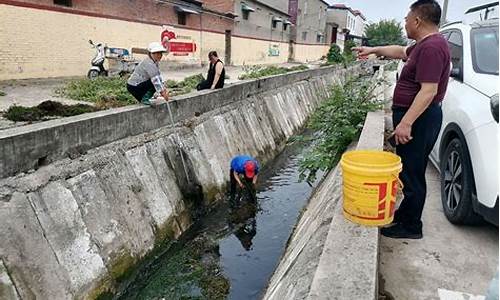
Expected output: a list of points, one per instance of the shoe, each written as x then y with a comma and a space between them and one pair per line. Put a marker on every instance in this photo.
146, 101
398, 231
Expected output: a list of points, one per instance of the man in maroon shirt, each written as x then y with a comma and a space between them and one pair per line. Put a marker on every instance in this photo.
416, 110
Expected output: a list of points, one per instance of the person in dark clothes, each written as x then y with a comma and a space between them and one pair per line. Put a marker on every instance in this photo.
216, 74
416, 110
243, 167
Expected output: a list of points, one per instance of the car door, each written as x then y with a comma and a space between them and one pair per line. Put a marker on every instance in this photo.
457, 92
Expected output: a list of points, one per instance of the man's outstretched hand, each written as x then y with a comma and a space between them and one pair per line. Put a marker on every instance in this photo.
363, 51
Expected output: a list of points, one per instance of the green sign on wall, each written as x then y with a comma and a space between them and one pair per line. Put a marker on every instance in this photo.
274, 50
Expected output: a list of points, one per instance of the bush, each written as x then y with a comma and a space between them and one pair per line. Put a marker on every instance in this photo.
336, 123
349, 55
334, 55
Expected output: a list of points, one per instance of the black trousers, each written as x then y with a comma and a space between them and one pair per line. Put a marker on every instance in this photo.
414, 156
204, 85
233, 184
138, 91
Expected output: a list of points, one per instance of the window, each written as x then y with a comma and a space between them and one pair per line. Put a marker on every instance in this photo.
318, 38
245, 14
274, 24
63, 2
456, 49
304, 35
181, 18
305, 8
285, 26
484, 42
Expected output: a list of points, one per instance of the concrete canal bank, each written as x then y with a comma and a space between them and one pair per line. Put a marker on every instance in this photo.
85, 198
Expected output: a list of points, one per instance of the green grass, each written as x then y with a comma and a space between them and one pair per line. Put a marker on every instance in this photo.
185, 86
105, 92
254, 72
46, 110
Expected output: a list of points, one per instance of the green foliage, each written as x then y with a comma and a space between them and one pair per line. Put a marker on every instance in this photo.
336, 124
188, 271
183, 87
385, 32
2, 93
334, 55
254, 72
109, 92
349, 55
101, 89
46, 110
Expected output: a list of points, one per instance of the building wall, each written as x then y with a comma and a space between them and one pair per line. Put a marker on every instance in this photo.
259, 23
256, 52
39, 44
359, 28
281, 5
223, 6
311, 18
306, 53
338, 16
40, 40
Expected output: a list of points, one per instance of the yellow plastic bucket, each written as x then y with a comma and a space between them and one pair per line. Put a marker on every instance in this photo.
371, 180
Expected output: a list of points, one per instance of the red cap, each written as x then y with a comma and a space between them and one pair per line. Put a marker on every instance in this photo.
249, 169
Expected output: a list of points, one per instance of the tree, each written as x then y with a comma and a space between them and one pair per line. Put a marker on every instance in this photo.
385, 32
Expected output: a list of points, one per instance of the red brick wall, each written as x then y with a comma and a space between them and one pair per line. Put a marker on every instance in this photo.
147, 11
223, 6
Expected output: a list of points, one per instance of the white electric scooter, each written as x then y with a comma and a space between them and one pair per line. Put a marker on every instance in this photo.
120, 61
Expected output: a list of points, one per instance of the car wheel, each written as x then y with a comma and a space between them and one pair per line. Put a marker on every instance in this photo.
457, 184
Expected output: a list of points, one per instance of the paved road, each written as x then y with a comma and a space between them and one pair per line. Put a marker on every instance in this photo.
449, 259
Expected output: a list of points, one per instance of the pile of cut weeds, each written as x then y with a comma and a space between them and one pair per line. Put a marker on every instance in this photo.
46, 110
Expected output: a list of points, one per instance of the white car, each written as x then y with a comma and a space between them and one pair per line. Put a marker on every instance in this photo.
466, 152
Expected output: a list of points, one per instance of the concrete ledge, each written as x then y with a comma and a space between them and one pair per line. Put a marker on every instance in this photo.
327, 256
28, 147
349, 262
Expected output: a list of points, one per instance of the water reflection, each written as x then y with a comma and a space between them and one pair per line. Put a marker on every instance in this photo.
243, 224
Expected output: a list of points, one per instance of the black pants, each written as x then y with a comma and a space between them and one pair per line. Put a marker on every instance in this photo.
233, 183
414, 156
138, 91
204, 85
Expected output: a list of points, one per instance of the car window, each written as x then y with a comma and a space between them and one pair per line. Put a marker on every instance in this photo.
484, 44
456, 48
446, 34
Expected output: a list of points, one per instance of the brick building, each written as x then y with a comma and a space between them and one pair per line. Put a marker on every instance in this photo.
49, 38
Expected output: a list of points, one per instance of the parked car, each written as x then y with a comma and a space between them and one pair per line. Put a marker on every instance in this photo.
466, 152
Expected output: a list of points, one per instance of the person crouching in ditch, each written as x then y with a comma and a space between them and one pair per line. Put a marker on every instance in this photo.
146, 78
244, 170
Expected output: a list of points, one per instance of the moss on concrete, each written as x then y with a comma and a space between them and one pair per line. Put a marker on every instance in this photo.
188, 271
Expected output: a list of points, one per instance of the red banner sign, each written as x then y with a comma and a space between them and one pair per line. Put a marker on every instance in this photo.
181, 47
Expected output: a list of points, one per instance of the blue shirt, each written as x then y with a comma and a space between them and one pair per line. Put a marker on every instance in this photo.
238, 164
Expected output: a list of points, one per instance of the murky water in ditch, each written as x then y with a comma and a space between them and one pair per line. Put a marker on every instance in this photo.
245, 242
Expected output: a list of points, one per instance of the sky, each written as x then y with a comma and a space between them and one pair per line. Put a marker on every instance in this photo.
375, 10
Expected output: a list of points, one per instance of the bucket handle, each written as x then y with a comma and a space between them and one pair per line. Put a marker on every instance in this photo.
400, 183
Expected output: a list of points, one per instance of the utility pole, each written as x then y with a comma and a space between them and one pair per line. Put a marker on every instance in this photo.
444, 11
